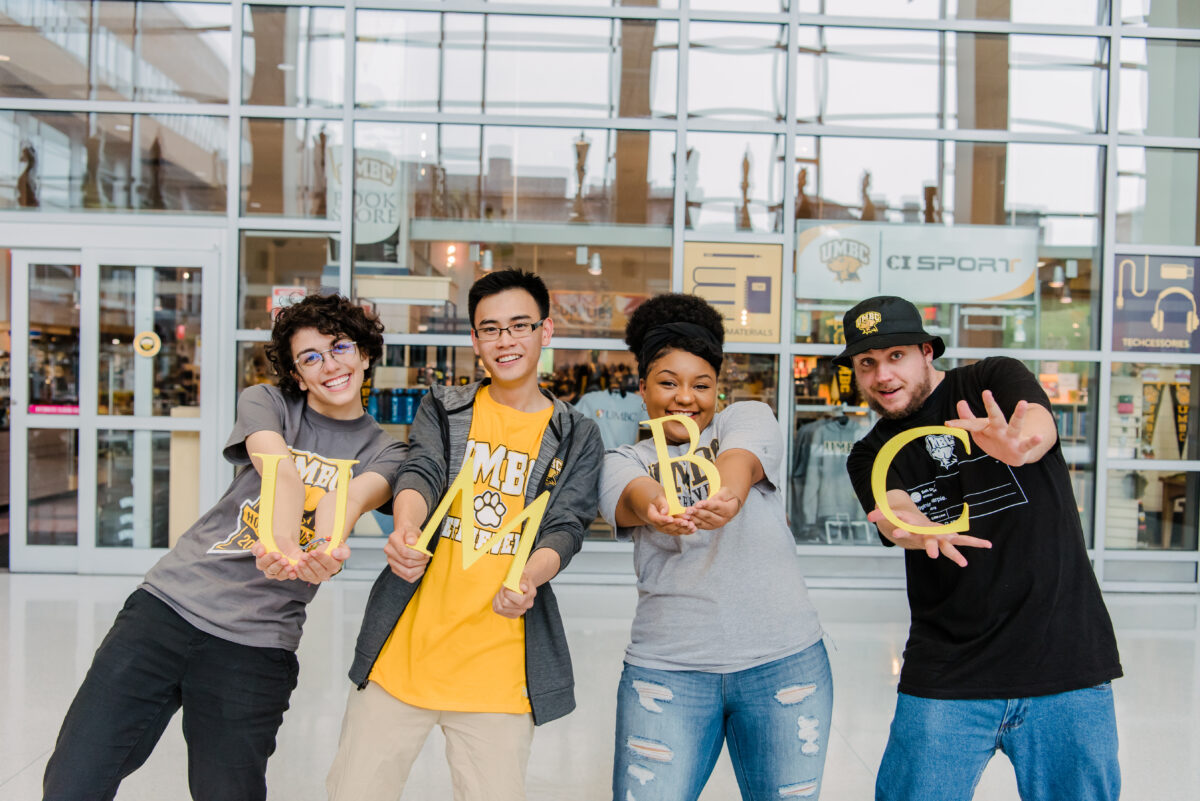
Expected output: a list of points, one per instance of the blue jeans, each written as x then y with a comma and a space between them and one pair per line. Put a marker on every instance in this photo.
1061, 746
775, 718
152, 662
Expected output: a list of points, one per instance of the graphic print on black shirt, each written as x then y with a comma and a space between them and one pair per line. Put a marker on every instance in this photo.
940, 500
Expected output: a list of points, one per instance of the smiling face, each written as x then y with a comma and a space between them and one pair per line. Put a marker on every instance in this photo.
896, 381
679, 382
512, 362
334, 386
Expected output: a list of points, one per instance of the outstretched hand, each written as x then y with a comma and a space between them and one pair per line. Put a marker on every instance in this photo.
715, 511
314, 566
934, 545
657, 515
1003, 439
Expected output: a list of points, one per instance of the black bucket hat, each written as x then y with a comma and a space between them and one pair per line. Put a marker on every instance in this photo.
884, 322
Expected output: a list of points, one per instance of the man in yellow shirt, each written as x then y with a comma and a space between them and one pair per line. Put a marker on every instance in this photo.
444, 645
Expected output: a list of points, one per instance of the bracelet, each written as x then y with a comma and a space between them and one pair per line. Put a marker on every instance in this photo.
316, 542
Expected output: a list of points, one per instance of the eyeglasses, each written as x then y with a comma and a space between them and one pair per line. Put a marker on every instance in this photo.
313, 359
490, 333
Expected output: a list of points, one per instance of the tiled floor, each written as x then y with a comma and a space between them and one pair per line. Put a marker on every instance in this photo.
50, 625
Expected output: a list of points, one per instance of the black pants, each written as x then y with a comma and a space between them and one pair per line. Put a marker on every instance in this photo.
151, 663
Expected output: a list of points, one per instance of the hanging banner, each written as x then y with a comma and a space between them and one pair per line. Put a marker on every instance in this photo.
1155, 305
1151, 395
1181, 399
741, 281
378, 184
958, 264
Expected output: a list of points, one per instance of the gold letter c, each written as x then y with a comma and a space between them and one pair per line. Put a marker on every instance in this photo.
883, 460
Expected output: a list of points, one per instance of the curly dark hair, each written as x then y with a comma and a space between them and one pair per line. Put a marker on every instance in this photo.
501, 280
675, 307
332, 315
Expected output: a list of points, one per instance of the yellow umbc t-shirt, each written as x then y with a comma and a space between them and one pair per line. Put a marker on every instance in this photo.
449, 650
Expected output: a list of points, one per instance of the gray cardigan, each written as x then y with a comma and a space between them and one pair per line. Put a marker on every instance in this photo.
437, 440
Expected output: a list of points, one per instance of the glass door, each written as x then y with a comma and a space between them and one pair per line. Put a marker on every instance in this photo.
107, 464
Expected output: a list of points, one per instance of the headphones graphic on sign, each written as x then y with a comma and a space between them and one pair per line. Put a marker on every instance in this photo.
1157, 320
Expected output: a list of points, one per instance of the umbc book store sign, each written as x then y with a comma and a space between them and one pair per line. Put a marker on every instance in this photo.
959, 264
1155, 305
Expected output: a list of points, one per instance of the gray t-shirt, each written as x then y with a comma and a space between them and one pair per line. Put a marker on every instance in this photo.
209, 577
724, 600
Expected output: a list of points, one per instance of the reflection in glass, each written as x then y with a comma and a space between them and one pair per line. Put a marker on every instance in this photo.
134, 491
1150, 411
293, 168
511, 174
116, 162
275, 268
1157, 196
1060, 12
736, 71
505, 64
1161, 13
109, 50
293, 56
1158, 92
134, 301
253, 366
52, 503
54, 338
1054, 187
734, 182
1151, 510
593, 289
932, 79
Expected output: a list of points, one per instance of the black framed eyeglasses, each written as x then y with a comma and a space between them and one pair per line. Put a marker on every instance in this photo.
315, 358
490, 333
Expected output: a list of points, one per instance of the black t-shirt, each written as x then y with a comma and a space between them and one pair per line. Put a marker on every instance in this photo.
1024, 618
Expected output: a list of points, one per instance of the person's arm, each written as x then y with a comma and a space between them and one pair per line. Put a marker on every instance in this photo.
643, 502
1023, 438
408, 514
740, 470
907, 511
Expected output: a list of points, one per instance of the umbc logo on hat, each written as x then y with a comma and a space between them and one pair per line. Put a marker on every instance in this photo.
867, 322
884, 321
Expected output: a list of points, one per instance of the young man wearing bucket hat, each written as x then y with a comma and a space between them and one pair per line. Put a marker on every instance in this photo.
1011, 648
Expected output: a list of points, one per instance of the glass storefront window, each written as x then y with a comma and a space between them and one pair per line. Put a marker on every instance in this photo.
291, 168
1061, 12
1151, 510
277, 267
736, 71
164, 301
1160, 87
932, 79
60, 161
1161, 13
54, 291
1157, 196
734, 182
121, 458
506, 64
746, 6
1150, 411
52, 502
293, 56
1003, 254
106, 50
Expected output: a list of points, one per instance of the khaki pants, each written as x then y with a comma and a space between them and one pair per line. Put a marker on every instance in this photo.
381, 737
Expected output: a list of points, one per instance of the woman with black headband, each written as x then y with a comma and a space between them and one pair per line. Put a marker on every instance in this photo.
726, 646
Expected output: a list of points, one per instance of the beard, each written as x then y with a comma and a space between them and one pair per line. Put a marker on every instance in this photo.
920, 392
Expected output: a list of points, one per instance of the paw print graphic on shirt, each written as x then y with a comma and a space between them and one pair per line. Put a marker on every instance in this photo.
489, 509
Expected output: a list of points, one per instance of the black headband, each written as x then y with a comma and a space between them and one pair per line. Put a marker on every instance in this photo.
661, 336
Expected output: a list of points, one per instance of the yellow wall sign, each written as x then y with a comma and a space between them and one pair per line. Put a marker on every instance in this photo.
879, 470
266, 503
666, 477
463, 489
741, 281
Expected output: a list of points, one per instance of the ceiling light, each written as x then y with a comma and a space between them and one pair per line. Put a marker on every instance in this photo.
594, 267
1056, 280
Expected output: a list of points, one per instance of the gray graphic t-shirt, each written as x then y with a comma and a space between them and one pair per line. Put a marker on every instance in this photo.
209, 577
724, 600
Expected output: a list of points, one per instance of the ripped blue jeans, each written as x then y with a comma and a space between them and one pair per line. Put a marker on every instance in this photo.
774, 717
